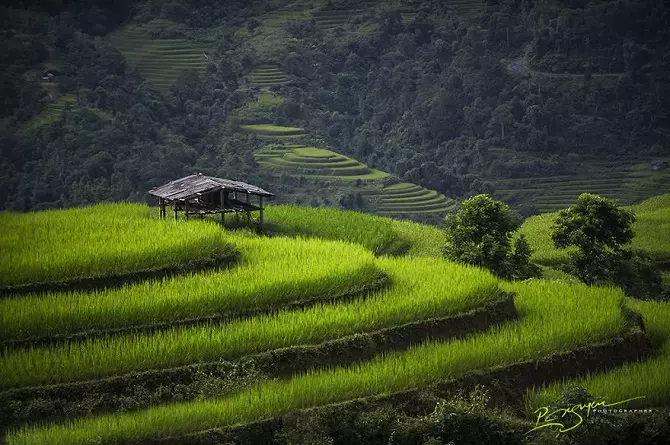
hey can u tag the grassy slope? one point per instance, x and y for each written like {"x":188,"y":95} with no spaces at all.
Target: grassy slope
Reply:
{"x":652,"y":232}
{"x":527,"y":338}
{"x":582,"y":315}
{"x":648,"y":378}
{"x":85,"y":242}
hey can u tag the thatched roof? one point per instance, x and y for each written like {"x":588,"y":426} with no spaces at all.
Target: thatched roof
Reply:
{"x":195,"y":185}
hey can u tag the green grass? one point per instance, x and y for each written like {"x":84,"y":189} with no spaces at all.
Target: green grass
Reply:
{"x":268,"y":129}
{"x":555,"y":317}
{"x":100,"y":240}
{"x":423,"y":288}
{"x":652,"y":232}
{"x":374,"y":233}
{"x":648,"y":378}
{"x":271,"y":272}
{"x":424,"y":240}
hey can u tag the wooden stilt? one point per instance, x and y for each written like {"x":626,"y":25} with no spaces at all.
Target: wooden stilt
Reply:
{"x":174,"y":207}
{"x":162,"y":208}
{"x":186,"y":210}
{"x":248,"y":211}
{"x":261,"y":206}
{"x":222,"y":196}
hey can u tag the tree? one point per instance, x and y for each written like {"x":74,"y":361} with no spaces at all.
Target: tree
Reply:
{"x":481,"y":233}
{"x":601,"y":230}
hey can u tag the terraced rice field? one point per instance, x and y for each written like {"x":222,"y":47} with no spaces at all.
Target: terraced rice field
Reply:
{"x":626,"y":181}
{"x":553,"y":317}
{"x":407,"y":198}
{"x":652,"y":232}
{"x":467,"y":8}
{"x":270,"y":131}
{"x":160,"y":61}
{"x":260,"y":109}
{"x":311,"y":162}
{"x":329,"y":19}
{"x":53,"y":111}
{"x":61,"y":245}
{"x":266,"y":76}
{"x":296,"y":10}
{"x":625,"y":382}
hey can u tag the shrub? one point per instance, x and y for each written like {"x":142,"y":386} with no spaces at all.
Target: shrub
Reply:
{"x":480,"y":234}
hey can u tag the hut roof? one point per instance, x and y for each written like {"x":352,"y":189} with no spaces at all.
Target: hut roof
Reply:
{"x":195,"y":185}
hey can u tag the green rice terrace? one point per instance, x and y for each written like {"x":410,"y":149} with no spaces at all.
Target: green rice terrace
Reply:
{"x":314,"y":162}
{"x":652,"y":234}
{"x":160,"y":60}
{"x":54,"y":110}
{"x":627,"y":181}
{"x":405,"y":198}
{"x":265,"y":76}
{"x":270,"y":131}
{"x":333,"y":307}
{"x":467,"y":7}
{"x":397,"y":199}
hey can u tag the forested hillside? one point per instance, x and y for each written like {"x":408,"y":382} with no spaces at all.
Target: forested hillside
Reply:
{"x":534,"y":102}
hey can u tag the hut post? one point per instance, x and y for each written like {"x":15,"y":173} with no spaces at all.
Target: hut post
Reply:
{"x":261,"y":206}
{"x":162,"y":208}
{"x":223,"y":208}
{"x":248,"y":211}
{"x":186,"y":209}
{"x":174,"y":207}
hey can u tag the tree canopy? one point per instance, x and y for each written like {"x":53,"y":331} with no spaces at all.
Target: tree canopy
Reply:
{"x":481,"y":234}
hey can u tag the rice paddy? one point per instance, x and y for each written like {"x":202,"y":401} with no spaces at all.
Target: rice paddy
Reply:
{"x":467,"y":7}
{"x":648,"y":379}
{"x":271,"y":273}
{"x":434,"y":289}
{"x":265,"y":76}
{"x":312,"y":162}
{"x":269,"y":131}
{"x":160,"y":60}
{"x":60,"y":245}
{"x":652,"y":232}
{"x":338,"y":256}
{"x":404,"y":198}
{"x":627,"y":181}
{"x":555,"y":317}
{"x":374,"y":233}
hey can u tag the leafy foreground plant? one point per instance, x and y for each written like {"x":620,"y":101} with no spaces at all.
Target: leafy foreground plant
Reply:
{"x":99,"y":240}
{"x":422,"y":289}
{"x":555,"y":317}
{"x":271,"y":273}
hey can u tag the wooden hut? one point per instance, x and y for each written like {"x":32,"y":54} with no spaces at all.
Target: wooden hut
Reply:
{"x":200,"y":195}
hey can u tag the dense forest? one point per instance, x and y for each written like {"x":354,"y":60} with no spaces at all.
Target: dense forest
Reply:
{"x":430,"y":100}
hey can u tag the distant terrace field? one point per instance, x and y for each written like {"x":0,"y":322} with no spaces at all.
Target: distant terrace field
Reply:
{"x":312,"y":162}
{"x":411,"y":198}
{"x":626,"y":181}
{"x":160,"y":61}
{"x":652,"y":232}
{"x":267,"y":75}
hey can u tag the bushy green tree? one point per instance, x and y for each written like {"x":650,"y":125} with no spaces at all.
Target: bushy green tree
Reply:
{"x":601,"y":231}
{"x":481,"y":234}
